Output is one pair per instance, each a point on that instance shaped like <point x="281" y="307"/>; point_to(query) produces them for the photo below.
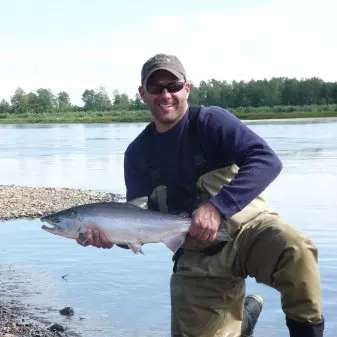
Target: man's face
<point x="167" y="105"/>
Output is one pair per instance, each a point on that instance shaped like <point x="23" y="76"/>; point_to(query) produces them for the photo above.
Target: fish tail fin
<point x="174" y="242"/>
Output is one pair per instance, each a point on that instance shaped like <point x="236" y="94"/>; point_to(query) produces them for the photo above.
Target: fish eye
<point x="56" y="220"/>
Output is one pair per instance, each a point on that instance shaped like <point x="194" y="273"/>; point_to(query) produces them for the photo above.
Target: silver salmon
<point x="122" y="223"/>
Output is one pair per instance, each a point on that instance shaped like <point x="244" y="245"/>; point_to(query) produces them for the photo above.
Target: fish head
<point x="64" y="223"/>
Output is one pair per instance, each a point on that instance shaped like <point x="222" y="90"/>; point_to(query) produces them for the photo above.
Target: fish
<point x="123" y="223"/>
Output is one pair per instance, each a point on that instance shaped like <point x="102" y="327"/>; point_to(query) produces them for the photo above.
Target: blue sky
<point x="74" y="45"/>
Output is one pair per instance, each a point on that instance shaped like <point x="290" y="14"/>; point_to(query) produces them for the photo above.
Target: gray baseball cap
<point x="170" y="63"/>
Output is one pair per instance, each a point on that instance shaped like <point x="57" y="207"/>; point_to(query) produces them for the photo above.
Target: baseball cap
<point x="170" y="63"/>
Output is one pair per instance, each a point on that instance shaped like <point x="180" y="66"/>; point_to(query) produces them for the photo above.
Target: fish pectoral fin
<point x="174" y="242"/>
<point x="136" y="247"/>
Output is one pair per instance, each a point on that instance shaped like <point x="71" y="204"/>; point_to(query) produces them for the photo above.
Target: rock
<point x="67" y="311"/>
<point x="56" y="327"/>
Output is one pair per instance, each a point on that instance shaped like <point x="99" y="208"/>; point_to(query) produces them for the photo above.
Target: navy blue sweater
<point x="226" y="140"/>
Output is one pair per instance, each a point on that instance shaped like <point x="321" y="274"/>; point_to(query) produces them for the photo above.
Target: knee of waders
<point x="299" y="247"/>
<point x="272" y="250"/>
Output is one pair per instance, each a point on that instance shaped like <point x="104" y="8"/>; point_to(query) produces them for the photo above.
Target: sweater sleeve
<point x="258" y="164"/>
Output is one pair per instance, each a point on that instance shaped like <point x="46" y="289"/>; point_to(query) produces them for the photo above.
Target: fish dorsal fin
<point x="174" y="242"/>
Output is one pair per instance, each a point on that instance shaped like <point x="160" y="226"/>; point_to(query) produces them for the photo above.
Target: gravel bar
<point x="18" y="202"/>
<point x="13" y="323"/>
<point x="31" y="202"/>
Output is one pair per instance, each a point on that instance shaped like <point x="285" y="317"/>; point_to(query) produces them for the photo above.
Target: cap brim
<point x="176" y="73"/>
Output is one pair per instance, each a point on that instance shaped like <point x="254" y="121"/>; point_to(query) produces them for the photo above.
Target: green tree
<point x="4" y="107"/>
<point x="214" y="92"/>
<point x="138" y="104"/>
<point x="88" y="97"/>
<point x="102" y="100"/>
<point x="240" y="94"/>
<point x="63" y="101"/>
<point x="290" y="92"/>
<point x="47" y="100"/>
<point x="19" y="101"/>
<point x="33" y="103"/>
<point x="120" y="100"/>
<point x="333" y="92"/>
<point x="274" y="91"/>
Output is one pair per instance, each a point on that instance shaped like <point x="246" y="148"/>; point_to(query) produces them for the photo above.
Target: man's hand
<point x="205" y="222"/>
<point x="95" y="238"/>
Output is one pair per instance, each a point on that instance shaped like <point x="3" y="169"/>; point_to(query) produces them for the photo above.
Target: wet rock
<point x="12" y="316"/>
<point x="67" y="311"/>
<point x="56" y="327"/>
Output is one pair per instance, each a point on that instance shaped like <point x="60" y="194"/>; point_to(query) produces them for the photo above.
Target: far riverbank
<point x="144" y="116"/>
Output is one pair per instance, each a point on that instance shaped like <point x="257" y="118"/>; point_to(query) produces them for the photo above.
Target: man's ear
<point x="142" y="92"/>
<point x="187" y="89"/>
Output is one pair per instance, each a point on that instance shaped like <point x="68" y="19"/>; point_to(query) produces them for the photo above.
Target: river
<point x="115" y="293"/>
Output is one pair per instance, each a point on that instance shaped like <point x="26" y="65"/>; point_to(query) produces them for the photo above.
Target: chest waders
<point x="206" y="300"/>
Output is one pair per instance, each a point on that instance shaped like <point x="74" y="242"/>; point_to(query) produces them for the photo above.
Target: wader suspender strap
<point x="152" y="161"/>
<point x="200" y="162"/>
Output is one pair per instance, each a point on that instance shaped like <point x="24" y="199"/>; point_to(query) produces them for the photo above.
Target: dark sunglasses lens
<point x="174" y="87"/>
<point x="156" y="89"/>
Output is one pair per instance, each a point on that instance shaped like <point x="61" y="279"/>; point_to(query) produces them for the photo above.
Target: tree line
<point x="278" y="91"/>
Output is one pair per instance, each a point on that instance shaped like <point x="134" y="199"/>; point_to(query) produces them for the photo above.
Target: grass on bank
<point x="129" y="116"/>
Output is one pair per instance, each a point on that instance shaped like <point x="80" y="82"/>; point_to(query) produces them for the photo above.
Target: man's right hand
<point x="95" y="238"/>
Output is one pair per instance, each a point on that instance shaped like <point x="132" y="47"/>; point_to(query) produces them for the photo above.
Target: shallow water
<point x="121" y="294"/>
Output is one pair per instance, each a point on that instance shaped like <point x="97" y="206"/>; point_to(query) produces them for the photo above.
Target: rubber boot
<point x="251" y="312"/>
<point x="301" y="329"/>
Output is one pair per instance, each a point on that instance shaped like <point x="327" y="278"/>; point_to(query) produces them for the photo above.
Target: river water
<point x="115" y="293"/>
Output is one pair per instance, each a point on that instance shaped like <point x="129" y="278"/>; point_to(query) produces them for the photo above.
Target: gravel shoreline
<point x="15" y="321"/>
<point x="32" y="202"/>
<point x="18" y="202"/>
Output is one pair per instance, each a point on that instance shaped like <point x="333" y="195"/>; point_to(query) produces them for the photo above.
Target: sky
<point x="74" y="45"/>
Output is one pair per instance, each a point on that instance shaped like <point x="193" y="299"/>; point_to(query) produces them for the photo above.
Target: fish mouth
<point x="56" y="229"/>
<point x="51" y="227"/>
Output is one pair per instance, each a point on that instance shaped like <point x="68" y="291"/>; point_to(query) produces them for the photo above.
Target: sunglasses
<point x="156" y="89"/>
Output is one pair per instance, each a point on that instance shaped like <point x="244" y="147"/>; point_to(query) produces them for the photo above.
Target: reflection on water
<point x="118" y="293"/>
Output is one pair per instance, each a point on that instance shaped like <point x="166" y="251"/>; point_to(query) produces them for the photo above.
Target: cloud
<point x="281" y="38"/>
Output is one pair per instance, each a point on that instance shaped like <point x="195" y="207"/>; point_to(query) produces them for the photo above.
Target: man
<point x="207" y="164"/>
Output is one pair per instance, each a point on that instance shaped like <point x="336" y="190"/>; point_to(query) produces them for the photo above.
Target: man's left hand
<point x="205" y="222"/>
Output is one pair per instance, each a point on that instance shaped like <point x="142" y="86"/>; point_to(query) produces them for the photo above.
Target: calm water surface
<point x="113" y="292"/>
